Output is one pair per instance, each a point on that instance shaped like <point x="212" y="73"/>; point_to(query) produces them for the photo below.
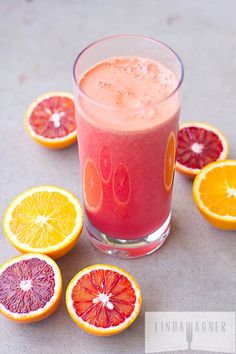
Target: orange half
<point x="44" y="219"/>
<point x="214" y="192"/>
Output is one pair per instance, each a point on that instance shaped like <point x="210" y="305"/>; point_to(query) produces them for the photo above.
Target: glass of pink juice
<point x="127" y="92"/>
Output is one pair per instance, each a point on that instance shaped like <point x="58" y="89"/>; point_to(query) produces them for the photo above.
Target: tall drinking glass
<point x="127" y="92"/>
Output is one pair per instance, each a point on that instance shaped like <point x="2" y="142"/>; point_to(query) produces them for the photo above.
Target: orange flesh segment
<point x="92" y="185"/>
<point x="121" y="184"/>
<point x="103" y="298"/>
<point x="169" y="161"/>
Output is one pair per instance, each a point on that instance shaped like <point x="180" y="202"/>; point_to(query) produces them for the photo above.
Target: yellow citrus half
<point x="214" y="192"/>
<point x="44" y="219"/>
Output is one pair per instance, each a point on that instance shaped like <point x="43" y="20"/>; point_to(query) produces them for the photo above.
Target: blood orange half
<point x="198" y="145"/>
<point x="103" y="299"/>
<point x="30" y="288"/>
<point x="50" y="120"/>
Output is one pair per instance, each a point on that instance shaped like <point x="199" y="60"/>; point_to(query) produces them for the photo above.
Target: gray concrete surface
<point x="195" y="269"/>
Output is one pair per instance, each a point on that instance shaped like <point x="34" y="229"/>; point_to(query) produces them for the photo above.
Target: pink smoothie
<point x="124" y="125"/>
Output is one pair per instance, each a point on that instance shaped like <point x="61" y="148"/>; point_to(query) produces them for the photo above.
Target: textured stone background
<point x="195" y="269"/>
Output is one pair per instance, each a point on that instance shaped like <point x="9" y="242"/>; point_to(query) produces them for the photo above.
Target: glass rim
<point x="105" y="106"/>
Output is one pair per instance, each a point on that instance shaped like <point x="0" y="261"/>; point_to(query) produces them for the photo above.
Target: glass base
<point x="129" y="248"/>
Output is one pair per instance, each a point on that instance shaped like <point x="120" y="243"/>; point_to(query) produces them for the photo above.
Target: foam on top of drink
<point x="133" y="83"/>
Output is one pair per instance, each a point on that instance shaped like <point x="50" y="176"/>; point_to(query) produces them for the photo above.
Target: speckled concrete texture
<point x="39" y="40"/>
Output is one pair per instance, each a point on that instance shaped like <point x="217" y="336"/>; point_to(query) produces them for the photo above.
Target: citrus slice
<point x="121" y="184"/>
<point x="30" y="288"/>
<point x="214" y="192"/>
<point x="50" y="120"/>
<point x="169" y="165"/>
<point x="45" y="220"/>
<point x="92" y="186"/>
<point x="103" y="299"/>
<point x="198" y="145"/>
<point x="105" y="164"/>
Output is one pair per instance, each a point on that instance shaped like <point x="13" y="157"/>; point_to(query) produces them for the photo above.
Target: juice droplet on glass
<point x="92" y="186"/>
<point x="121" y="184"/>
<point x="105" y="164"/>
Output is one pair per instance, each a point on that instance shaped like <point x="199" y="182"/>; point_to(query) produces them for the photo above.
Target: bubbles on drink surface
<point x="133" y="85"/>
